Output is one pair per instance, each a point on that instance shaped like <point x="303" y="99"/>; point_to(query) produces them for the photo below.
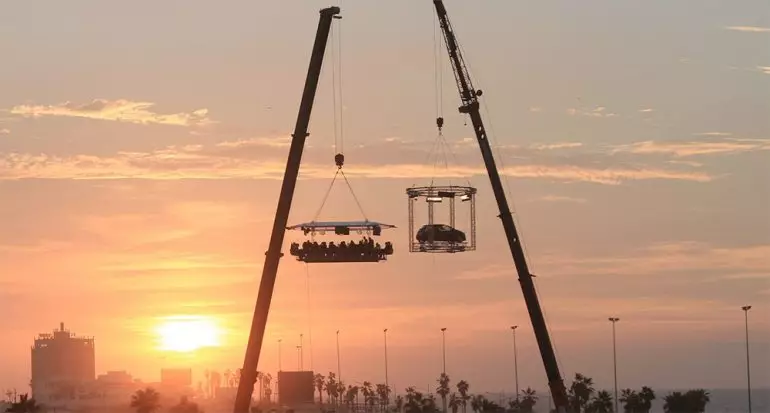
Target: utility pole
<point x="385" y="336"/>
<point x="339" y="370"/>
<point x="615" y="359"/>
<point x="279" y="355"/>
<point x="443" y="348"/>
<point x="515" y="361"/>
<point x="746" y="309"/>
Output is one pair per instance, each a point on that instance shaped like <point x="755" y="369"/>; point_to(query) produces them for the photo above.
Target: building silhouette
<point x="61" y="358"/>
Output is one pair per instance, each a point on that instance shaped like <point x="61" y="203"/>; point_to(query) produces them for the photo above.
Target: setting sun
<point x="187" y="333"/>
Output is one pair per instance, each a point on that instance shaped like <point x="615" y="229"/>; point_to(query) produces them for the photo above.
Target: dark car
<point x="440" y="232"/>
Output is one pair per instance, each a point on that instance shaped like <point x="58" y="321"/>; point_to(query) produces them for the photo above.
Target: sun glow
<point x="187" y="333"/>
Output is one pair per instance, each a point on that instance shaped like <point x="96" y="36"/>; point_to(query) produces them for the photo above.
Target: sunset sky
<point x="142" y="147"/>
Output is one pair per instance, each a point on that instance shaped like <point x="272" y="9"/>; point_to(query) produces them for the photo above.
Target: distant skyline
<point x="142" y="147"/>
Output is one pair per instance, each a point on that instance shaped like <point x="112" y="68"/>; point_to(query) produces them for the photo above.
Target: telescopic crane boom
<point x="273" y="254"/>
<point x="470" y="106"/>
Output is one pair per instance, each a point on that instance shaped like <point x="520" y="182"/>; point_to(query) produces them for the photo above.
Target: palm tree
<point x="319" y="385"/>
<point x="693" y="401"/>
<point x="580" y="392"/>
<point x="25" y="404"/>
<point x="332" y="387"/>
<point x="383" y="393"/>
<point x="399" y="403"/>
<point x="368" y="395"/>
<point x="463" y="387"/>
<point x="525" y="404"/>
<point x="454" y="402"/>
<point x="146" y="401"/>
<point x="185" y="406"/>
<point x="477" y="403"/>
<point x="601" y="403"/>
<point x="634" y="402"/>
<point x="443" y="389"/>
<point x="267" y="379"/>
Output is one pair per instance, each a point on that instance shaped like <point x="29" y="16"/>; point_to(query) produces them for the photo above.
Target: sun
<point x="187" y="333"/>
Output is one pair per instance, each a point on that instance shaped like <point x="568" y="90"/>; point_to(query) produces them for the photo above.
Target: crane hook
<point x="339" y="159"/>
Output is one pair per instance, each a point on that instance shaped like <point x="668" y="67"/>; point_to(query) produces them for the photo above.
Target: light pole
<point x="279" y="355"/>
<point x="299" y="358"/>
<point x="614" y="320"/>
<point x="339" y="370"/>
<point x="301" y="354"/>
<point x="385" y="336"/>
<point x="746" y="309"/>
<point x="515" y="361"/>
<point x="443" y="348"/>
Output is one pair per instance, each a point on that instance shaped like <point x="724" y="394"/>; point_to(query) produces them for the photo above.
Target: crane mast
<point x="470" y="106"/>
<point x="273" y="254"/>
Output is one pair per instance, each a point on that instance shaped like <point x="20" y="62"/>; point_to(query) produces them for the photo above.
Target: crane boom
<point x="273" y="254"/>
<point x="470" y="106"/>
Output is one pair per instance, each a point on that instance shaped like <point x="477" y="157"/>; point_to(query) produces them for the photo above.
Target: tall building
<point x="59" y="359"/>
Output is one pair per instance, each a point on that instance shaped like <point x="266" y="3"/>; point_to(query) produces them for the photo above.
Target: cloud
<point x="667" y="258"/>
<point x="598" y="112"/>
<point x="120" y="110"/>
<point x="560" y="198"/>
<point x="749" y="29"/>
<point x="4" y="131"/>
<point x="764" y="69"/>
<point x="559" y="145"/>
<point x="193" y="162"/>
<point x="646" y="110"/>
<point x="684" y="149"/>
<point x="714" y="134"/>
<point x="535" y="109"/>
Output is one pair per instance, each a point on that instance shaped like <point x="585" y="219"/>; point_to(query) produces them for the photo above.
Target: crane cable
<point x="339" y="157"/>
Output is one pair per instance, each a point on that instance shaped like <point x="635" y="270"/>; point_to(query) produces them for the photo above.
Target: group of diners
<point x="365" y="249"/>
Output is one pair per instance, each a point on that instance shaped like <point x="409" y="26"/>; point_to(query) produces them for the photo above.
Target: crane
<point x="273" y="254"/>
<point x="470" y="106"/>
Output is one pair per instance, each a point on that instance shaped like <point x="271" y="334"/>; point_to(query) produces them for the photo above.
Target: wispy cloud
<point x="684" y="149"/>
<point x="4" y="131"/>
<point x="120" y="110"/>
<point x="199" y="162"/>
<point x="558" y="145"/>
<point x="561" y="198"/>
<point x="535" y="109"/>
<point x="764" y="69"/>
<point x="714" y="134"/>
<point x="646" y="110"/>
<point x="598" y="112"/>
<point x="749" y="29"/>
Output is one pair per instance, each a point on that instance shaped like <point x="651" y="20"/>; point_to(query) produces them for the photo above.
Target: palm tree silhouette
<point x="146" y="401"/>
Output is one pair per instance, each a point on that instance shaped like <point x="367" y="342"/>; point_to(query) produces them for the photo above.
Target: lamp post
<point x="339" y="370"/>
<point x="515" y="361"/>
<point x="385" y="337"/>
<point x="279" y="355"/>
<point x="443" y="348"/>
<point x="301" y="354"/>
<point x="746" y="309"/>
<point x="299" y="358"/>
<point x="614" y="320"/>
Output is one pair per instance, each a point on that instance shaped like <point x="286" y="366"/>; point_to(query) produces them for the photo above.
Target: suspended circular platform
<point x="365" y="249"/>
<point x="435" y="237"/>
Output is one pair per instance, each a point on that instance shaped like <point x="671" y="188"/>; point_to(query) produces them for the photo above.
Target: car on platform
<point x="440" y="233"/>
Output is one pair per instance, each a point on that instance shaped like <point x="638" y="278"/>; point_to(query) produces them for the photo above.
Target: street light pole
<point x="279" y="355"/>
<point x="746" y="309"/>
<point x="385" y="337"/>
<point x="339" y="370"/>
<point x="515" y="361"/>
<point x="443" y="348"/>
<point x="299" y="358"/>
<point x="301" y="354"/>
<point x="615" y="359"/>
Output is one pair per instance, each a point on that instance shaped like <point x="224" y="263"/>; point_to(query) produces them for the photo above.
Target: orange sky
<point x="139" y="171"/>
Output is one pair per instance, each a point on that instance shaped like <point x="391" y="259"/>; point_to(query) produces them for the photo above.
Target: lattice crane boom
<point x="470" y="106"/>
<point x="273" y="255"/>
